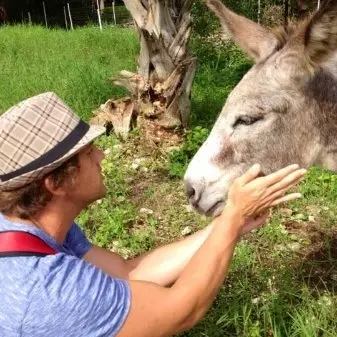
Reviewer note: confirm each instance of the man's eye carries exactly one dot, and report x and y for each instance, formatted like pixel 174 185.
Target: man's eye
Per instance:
pixel 246 120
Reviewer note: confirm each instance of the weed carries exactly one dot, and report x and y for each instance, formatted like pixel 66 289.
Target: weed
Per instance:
pixel 179 159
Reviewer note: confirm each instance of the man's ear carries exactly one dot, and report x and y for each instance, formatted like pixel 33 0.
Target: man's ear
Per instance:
pixel 52 188
pixel 255 40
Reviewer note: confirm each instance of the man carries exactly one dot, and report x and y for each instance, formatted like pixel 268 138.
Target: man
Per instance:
pixel 49 171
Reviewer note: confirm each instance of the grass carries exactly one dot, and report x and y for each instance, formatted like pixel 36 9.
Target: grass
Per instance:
pixel 76 65
pixel 283 277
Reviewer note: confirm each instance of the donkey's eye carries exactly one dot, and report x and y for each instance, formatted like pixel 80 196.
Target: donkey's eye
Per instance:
pixel 246 120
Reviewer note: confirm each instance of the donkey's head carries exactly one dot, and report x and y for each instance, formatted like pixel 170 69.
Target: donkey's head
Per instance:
pixel 274 115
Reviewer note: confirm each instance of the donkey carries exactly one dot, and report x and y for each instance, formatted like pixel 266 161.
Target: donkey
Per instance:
pixel 283 111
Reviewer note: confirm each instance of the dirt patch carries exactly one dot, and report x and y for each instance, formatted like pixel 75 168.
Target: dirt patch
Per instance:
pixel 319 267
pixel 316 262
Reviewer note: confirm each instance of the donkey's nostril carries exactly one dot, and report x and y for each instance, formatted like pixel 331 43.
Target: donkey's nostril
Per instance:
pixel 192 192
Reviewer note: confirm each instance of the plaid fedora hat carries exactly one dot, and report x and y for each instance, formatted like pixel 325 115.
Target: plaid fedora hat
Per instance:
pixel 38 135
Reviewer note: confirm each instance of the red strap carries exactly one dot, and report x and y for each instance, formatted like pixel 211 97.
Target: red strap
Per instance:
pixel 23 242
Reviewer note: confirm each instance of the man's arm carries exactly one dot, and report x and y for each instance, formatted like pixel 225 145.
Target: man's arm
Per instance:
pixel 161 312
pixel 169 260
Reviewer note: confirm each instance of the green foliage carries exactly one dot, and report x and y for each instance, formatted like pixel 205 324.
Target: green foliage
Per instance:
pixel 219 70
pixel 321 184
pixel 179 159
pixel 205 22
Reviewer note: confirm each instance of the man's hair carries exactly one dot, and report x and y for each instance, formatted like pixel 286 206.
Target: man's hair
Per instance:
pixel 30 199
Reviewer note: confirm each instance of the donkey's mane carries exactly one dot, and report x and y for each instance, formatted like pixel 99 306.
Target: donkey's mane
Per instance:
pixel 285 33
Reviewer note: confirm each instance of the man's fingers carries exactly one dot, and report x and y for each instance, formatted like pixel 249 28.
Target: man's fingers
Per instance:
pixel 280 193
pixel 251 174
pixel 286 198
pixel 277 176
pixel 289 181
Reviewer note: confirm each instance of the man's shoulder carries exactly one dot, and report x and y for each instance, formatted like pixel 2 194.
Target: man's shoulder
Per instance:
pixel 61 295
pixel 77 297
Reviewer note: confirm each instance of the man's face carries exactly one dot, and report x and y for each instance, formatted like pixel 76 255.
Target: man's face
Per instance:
pixel 89 180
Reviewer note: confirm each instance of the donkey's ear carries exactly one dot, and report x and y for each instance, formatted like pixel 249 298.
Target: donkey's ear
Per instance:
pixel 252 38
pixel 320 34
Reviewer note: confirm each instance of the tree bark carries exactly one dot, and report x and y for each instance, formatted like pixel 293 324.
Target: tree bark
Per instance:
pixel 162 85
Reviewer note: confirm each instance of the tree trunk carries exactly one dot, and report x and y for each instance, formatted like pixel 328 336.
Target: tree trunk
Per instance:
pixel 161 87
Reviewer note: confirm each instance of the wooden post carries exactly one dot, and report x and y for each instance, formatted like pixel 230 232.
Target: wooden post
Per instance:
pixel 71 20
pixel 45 14
pixel 99 16
pixel 114 12
pixel 65 17
pixel 258 10
pixel 286 12
pixel 318 4
pixel 29 19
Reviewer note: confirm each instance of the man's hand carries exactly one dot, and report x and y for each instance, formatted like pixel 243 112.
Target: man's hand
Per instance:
pixel 254 222
pixel 250 196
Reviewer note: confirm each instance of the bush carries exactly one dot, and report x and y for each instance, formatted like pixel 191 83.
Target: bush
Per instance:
pixel 273 16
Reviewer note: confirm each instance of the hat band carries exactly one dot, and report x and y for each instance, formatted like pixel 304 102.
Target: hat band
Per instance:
pixel 53 154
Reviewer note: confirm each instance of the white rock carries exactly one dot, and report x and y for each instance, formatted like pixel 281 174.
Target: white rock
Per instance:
pixel 188 208
pixel 256 300
pixel 286 212
pixel 173 148
pixel 280 248
pixel 116 244
pixel 117 146
pixel 146 211
pixel 139 160
pixel 325 300
pixel 107 151
pixel 311 218
pixel 134 166
pixel 186 231
pixel 295 246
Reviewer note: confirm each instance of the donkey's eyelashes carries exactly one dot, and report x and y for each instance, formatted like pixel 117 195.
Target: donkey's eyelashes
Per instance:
pixel 246 120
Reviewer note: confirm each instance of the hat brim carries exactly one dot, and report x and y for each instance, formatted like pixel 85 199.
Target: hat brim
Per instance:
pixel 20 181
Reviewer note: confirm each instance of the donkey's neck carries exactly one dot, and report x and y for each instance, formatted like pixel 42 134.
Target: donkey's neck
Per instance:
pixel 322 88
pixel 321 92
